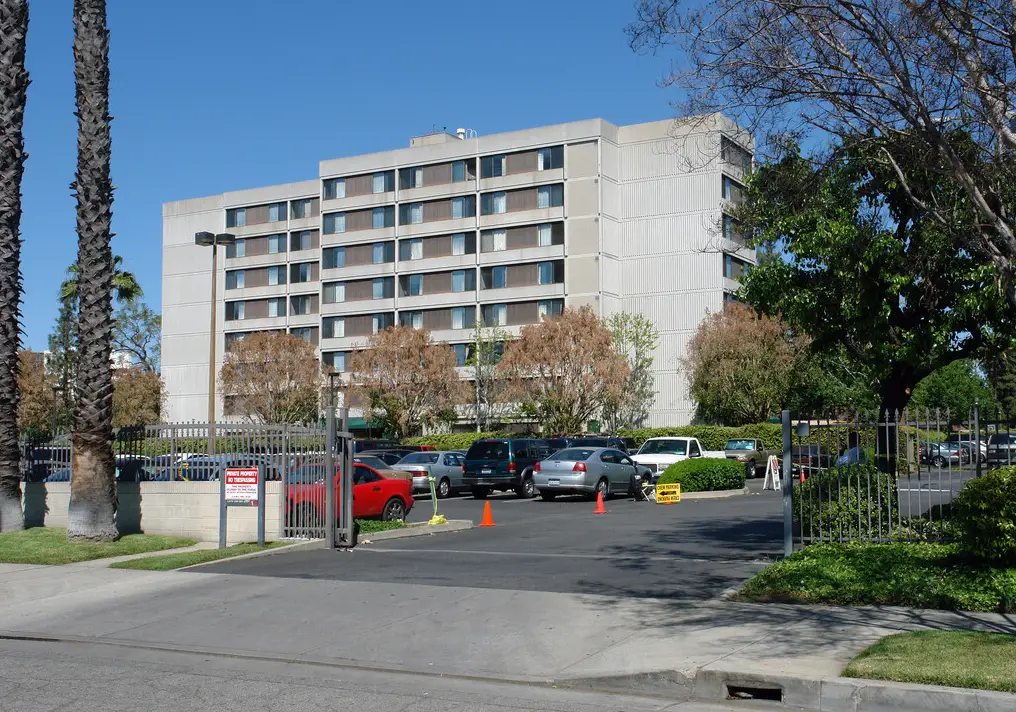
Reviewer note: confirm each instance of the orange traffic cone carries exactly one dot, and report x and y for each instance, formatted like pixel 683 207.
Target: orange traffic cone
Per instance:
pixel 488 521
pixel 599 504
pixel 803 477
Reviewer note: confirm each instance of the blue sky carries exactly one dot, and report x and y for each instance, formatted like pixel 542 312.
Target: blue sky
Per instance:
pixel 216 95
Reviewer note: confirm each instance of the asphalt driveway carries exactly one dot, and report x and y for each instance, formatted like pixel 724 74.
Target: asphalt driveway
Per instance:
pixel 695 549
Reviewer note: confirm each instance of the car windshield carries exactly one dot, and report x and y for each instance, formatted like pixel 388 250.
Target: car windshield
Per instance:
pixel 488 450
pixel 590 442
pixel 419 458
pixel 571 455
pixel 739 445
pixel 375 462
pixel 664 446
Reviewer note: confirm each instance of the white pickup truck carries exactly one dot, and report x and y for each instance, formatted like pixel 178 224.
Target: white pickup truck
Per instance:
pixel 660 453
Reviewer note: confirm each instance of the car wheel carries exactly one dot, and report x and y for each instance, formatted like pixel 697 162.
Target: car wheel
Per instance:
pixel 602 488
pixel 526 490
pixel 548 496
pixel 752 469
pixel 480 492
pixel 938 461
pixel 444 488
pixel 395 510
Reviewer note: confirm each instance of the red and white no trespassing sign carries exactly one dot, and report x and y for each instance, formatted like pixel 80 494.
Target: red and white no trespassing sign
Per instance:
pixel 242 485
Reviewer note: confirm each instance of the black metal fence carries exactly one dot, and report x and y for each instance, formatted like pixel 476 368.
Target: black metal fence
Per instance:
pixel 884 477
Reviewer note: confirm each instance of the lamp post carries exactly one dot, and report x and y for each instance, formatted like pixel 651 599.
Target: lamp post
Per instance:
pixel 208 239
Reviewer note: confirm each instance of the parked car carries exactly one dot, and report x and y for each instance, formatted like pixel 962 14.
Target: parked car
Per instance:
pixel 370 445
pixel 660 453
pixel 503 464
pixel 390 457
pixel 444 466
pixel 810 459
pixel 971 443
pixel 312 471
pixel 586 470
pixel 374 495
pixel 942 454
pixel 1002 449
pixel 611 441
pixel 751 452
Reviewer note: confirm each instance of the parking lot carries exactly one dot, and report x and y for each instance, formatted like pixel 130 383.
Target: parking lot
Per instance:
pixel 694 550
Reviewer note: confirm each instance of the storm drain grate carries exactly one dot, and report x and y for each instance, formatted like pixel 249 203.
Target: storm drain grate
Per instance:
pixel 740 692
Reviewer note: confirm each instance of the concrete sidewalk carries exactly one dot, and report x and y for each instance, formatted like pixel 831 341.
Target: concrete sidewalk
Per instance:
pixel 643 645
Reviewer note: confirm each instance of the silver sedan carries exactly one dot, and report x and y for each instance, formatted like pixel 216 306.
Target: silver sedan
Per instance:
pixel 585 470
pixel 445 467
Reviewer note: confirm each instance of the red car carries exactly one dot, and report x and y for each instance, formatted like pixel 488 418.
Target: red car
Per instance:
pixel 374 495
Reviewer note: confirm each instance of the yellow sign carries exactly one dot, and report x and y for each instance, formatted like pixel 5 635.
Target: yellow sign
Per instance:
pixel 668 494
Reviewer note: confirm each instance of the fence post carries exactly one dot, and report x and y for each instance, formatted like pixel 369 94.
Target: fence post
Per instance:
pixel 788 483
pixel 329 478
pixel 975 446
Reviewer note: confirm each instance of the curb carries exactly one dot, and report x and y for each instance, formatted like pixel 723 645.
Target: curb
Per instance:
pixel 714 495
pixel 421 529
pixel 821 694
pixel 295 546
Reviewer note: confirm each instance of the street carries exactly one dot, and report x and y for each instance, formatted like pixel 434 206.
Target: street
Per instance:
pixel 45 677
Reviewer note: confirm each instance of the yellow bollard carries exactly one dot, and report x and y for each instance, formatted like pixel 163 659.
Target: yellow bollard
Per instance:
pixel 437 518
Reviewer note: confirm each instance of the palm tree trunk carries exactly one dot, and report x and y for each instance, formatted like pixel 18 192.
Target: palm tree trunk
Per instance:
pixel 13 88
pixel 91 513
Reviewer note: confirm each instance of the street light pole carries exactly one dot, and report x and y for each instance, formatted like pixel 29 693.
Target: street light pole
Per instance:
pixel 208 239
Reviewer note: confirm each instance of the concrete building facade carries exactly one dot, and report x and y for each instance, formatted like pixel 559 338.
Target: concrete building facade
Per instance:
pixel 505 228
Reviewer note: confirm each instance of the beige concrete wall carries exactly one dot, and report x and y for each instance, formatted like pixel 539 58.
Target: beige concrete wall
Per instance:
pixel 189 509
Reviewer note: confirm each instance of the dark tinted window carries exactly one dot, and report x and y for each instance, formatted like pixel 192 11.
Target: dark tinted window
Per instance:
pixel 488 450
pixel 608 456
pixel 573 455
pixel 1000 439
pixel 363 475
pixel 558 443
pixel 591 442
pixel 419 458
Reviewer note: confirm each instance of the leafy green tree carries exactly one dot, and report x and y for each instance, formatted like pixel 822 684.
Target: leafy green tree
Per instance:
pixel 1000 368
pixel 827 384
pixel 862 269
pixel 63 358
pixel 126 287
pixel 949 394
pixel 636 338
pixel 137 330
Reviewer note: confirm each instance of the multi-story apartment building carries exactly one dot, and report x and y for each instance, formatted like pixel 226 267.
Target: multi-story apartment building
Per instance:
pixel 506 228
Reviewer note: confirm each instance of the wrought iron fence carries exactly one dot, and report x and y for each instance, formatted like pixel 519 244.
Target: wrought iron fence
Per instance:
pixel 887 477
pixel 197 452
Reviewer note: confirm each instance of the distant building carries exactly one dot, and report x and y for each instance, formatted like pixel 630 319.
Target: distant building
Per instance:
pixel 506 228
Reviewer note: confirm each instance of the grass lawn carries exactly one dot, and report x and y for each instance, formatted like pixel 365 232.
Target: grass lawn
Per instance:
pixel 188 558
pixel 369 526
pixel 912 575
pixel 984 661
pixel 44 545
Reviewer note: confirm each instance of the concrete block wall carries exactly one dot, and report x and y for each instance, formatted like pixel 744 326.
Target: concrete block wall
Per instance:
pixel 189 509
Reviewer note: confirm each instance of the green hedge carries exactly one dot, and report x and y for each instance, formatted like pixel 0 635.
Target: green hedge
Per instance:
pixel 713 437
pixel 985 515
pixel 705 474
pixel 853 503
pixel 450 441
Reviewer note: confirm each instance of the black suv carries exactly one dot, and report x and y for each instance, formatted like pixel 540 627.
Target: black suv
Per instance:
pixel 503 464
pixel 625 445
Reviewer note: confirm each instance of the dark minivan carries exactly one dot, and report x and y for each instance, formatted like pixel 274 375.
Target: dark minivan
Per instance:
pixel 503 464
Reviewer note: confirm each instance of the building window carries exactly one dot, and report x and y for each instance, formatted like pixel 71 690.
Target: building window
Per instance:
pixel 232 338
pixel 334 257
pixel 302 273
pixel 302 209
pixel 378 253
pixel 335 188
pixel 458 171
pixel 276 275
pixel 416 178
pixel 493 203
pixel 382 288
pixel 459 243
pixel 335 223
pixel 335 360
pixel 733 154
pixel 235 280
pixel 378 218
pixel 731 229
pixel 334 292
pixel 237 249
pixel 236 217
pixel 550 158
pixel 732 190
pixel 495 315
pixel 545 235
pixel 734 267
pixel 411 249
pixel 463 280
pixel 546 273
pixel 414 285
pixel 461 351
pixel 300 241
pixel 304 332
pixel 276 244
pixel 412 319
pixel 333 327
pixel 459 318
pixel 499 277
pixel 300 305
pixel 276 212
pixel 276 308
pixel 550 308
pixel 383 182
pixel 416 213
pixel 464 207
pixel 234 311
pixel 380 322
pixel 550 196
pixel 492 166
pixel 494 241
